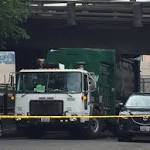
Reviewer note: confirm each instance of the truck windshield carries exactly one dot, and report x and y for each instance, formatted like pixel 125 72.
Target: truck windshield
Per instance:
pixel 53 82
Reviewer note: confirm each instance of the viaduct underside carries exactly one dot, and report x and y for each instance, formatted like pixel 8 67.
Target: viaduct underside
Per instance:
pixel 124 26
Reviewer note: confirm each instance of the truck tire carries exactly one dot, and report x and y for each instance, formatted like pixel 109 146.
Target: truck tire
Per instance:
pixel 95 127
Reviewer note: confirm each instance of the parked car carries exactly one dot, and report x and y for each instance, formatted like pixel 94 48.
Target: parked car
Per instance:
pixel 137 104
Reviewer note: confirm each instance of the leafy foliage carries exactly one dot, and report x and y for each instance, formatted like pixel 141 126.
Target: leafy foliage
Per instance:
pixel 12 14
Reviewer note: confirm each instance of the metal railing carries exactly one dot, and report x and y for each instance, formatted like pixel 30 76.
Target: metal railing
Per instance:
pixel 92 10
pixel 6 104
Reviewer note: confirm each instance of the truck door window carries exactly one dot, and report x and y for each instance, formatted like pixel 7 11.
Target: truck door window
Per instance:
pixel 74 82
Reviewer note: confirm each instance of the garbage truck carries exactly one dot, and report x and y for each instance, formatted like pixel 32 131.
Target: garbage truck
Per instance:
pixel 74 82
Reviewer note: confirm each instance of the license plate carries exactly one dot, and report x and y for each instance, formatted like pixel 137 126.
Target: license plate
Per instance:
pixel 145 128
pixel 45 119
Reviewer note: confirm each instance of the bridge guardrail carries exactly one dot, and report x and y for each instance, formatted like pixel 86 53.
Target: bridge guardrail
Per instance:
pixel 92 10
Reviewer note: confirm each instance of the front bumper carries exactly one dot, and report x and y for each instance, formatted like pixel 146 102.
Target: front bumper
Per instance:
pixel 53 125
pixel 127 126
pixel 51 122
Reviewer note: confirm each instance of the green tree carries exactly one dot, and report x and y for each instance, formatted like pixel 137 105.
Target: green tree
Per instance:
pixel 12 14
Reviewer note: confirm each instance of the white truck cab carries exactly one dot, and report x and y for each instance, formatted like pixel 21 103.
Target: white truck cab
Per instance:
pixel 54 92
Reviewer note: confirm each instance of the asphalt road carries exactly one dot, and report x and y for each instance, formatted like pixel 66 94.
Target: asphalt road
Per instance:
pixel 70 144
pixel 63 141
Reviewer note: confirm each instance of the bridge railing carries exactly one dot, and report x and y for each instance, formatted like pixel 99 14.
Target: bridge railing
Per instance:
pixel 92 10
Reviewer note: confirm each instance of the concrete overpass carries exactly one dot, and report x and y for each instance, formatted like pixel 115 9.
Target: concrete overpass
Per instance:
pixel 74 12
pixel 124 26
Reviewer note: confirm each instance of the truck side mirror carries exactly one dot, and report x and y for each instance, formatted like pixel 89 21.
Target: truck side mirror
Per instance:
pixel 118 108
pixel 121 104
pixel 92 84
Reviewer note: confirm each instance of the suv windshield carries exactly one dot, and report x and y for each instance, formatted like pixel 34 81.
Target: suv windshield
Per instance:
pixel 138 101
pixel 52 82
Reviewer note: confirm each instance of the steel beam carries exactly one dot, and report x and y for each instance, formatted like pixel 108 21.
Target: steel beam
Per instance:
pixel 101 10
pixel 137 11
pixel 71 13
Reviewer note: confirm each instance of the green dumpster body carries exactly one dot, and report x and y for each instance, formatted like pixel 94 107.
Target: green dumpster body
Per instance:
pixel 102 64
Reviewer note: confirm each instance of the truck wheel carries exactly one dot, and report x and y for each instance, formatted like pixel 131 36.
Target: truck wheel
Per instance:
pixel 94 127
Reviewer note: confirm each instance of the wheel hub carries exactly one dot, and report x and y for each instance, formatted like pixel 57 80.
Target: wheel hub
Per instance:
pixel 94 125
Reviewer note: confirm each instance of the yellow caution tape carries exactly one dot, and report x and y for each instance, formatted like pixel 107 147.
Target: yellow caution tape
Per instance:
pixel 67 117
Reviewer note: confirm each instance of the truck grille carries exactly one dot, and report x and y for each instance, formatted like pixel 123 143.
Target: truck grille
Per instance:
pixel 45 107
